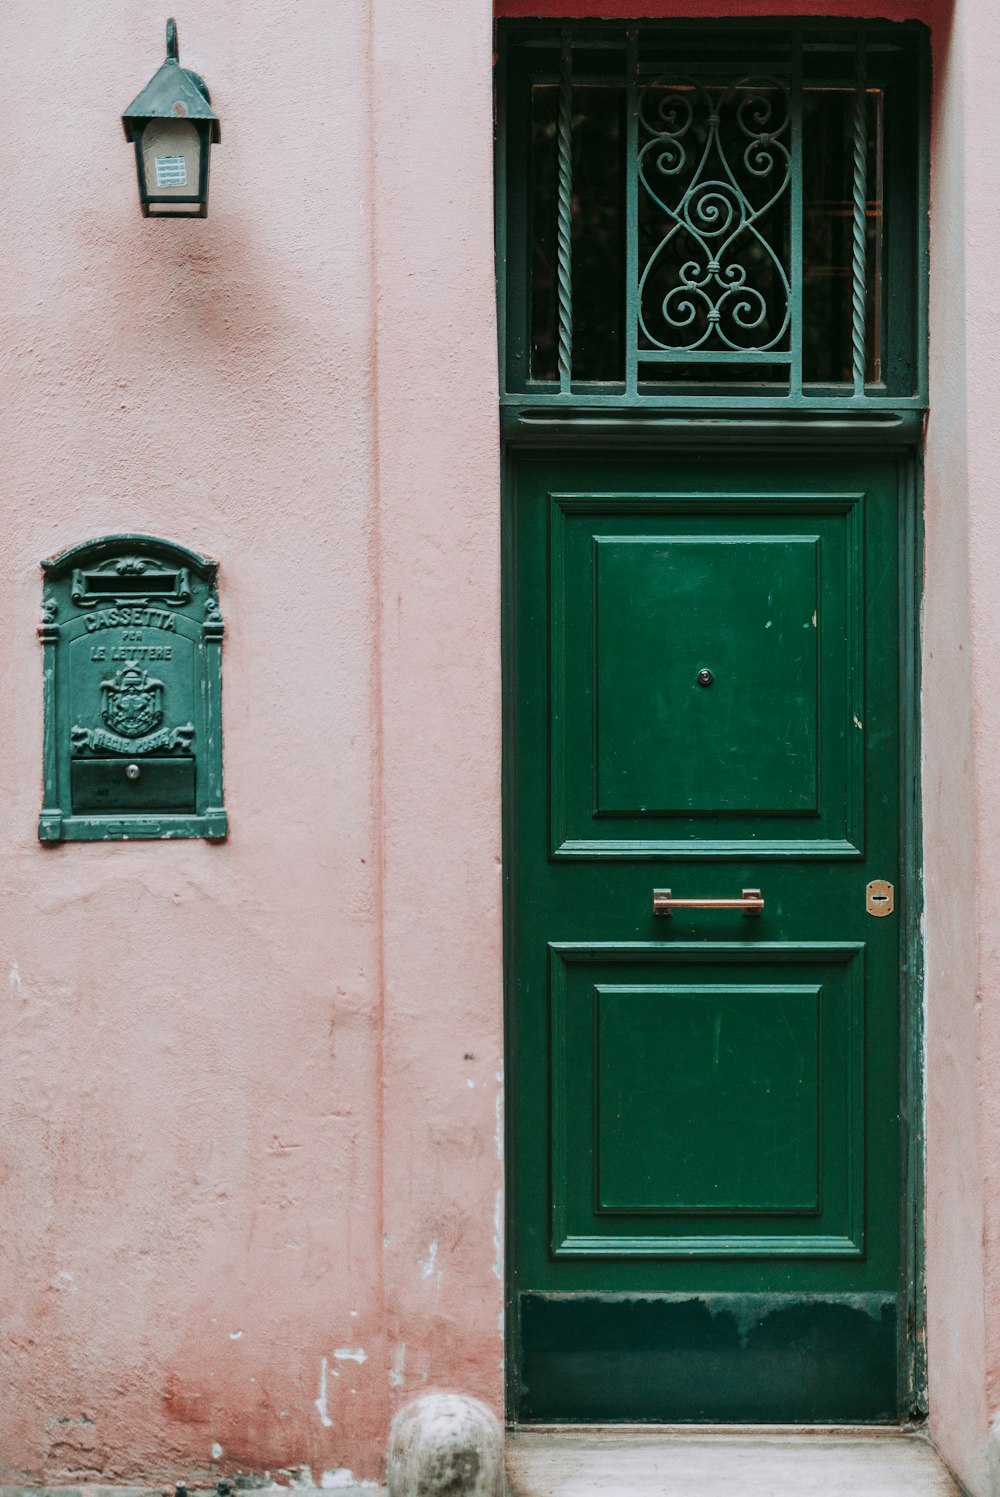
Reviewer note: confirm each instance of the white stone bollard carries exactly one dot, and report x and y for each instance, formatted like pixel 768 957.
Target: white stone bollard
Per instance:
pixel 993 1457
pixel 446 1445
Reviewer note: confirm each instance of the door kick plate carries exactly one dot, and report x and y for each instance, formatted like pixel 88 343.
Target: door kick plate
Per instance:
pixel 880 897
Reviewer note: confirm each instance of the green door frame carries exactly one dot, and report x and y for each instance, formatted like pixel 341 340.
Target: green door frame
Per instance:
pixel 563 417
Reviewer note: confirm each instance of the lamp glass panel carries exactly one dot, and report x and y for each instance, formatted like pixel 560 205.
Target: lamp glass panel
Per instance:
pixel 171 151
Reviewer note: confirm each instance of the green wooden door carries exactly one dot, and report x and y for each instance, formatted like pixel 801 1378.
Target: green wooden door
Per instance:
pixel 705 1189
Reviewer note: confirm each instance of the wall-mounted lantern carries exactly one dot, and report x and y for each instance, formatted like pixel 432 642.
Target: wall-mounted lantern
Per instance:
pixel 173 125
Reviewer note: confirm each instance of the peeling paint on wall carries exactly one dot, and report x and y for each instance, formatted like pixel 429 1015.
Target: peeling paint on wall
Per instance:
pixel 397 1372
pixel 321 1407
pixel 427 1267
pixel 498 1236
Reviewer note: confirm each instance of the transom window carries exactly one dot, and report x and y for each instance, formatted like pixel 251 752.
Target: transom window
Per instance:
pixel 689 213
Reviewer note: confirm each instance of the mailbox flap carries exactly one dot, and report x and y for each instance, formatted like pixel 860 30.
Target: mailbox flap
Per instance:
pixel 115 785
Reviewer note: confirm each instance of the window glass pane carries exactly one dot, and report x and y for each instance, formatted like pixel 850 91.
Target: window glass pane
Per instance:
pixel 598 228
pixel 691 285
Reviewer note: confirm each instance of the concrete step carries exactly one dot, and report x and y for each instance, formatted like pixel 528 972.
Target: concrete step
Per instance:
pixel 731 1463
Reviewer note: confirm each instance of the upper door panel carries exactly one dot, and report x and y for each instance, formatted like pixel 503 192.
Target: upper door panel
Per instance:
pixel 707 666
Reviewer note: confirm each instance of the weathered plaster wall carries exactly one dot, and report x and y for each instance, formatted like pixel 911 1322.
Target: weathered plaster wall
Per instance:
pixel 961 629
pixel 439 492
pixel 956 1321
pixel 247 1171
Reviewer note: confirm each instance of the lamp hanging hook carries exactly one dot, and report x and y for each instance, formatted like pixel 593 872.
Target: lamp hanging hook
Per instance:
pixel 172 49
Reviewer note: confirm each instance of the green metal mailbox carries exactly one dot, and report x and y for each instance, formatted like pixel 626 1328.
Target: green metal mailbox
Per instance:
pixel 132 636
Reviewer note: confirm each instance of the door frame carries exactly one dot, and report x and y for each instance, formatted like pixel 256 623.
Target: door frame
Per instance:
pixel 901 438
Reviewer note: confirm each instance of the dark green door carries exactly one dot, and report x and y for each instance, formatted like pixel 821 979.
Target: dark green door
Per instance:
pixel 706 1174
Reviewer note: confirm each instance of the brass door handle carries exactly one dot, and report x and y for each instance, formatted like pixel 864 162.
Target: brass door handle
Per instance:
pixel 750 903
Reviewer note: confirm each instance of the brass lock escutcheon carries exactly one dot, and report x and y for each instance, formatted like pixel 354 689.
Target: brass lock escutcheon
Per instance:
pixel 880 897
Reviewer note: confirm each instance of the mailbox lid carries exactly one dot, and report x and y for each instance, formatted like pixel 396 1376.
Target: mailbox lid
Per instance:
pixel 160 784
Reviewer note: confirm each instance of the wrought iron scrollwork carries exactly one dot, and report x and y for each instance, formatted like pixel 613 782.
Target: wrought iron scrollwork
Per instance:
pixel 714 163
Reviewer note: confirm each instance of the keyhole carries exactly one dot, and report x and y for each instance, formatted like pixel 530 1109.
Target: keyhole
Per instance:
pixel 132 772
pixel 879 897
pixel 705 677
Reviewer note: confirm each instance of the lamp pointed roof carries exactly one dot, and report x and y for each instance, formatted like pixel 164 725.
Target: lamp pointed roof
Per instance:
pixel 173 93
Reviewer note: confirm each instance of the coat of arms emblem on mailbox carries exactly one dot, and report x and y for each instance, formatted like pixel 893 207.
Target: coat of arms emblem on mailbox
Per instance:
pixel 132 702
pixel 132 707
pixel 133 742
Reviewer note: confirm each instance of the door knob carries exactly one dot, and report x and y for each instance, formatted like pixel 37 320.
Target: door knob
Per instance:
pixel 750 903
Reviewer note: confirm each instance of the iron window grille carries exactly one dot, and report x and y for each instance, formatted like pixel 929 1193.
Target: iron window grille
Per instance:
pixel 713 214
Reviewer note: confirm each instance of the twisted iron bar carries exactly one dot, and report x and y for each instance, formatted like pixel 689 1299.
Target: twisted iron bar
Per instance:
pixel 564 225
pixel 859 256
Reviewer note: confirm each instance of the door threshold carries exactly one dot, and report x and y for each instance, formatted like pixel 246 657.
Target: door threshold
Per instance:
pixel 720 1460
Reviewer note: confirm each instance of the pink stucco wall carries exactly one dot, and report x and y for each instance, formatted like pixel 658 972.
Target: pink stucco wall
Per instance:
pixel 250 1095
pixel 962 787
pixel 248 1109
